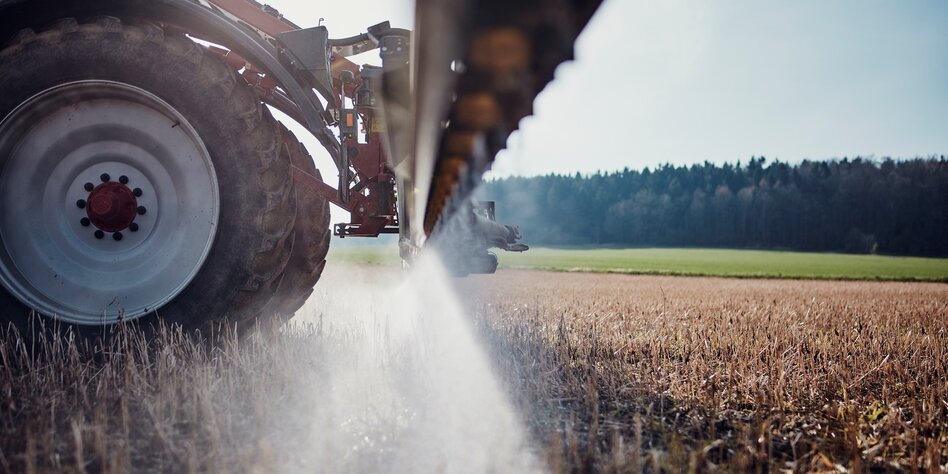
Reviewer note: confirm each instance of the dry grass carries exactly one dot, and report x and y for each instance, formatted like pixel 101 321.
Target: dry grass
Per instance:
pixel 163 404
pixel 610 372
pixel 621 373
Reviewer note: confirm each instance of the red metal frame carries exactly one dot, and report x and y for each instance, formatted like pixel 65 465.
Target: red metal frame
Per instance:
pixel 369 196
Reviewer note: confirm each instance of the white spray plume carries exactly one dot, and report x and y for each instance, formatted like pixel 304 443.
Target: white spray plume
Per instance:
pixel 406 387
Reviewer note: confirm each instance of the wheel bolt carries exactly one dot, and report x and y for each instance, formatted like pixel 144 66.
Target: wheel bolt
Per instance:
pixel 81 204
pixel 105 177
pixel 117 236
pixel 123 179
pixel 141 209
pixel 99 234
pixel 89 186
pixel 84 222
pixel 137 192
pixel 133 227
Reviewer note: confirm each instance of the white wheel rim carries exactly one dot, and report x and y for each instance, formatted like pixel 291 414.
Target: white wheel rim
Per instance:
pixel 69 135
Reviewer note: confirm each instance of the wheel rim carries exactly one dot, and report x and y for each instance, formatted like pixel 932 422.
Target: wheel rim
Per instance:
pixel 108 202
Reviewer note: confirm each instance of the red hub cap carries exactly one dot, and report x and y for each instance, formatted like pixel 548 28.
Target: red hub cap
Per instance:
pixel 111 206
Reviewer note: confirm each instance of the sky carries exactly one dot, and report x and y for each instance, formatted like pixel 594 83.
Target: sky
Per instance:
pixel 685 82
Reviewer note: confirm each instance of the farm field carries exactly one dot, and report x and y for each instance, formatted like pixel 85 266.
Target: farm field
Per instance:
pixel 556 371
pixel 696 262
pixel 617 372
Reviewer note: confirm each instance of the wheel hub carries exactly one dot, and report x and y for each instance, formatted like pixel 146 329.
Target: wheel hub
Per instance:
pixel 86 159
pixel 112 207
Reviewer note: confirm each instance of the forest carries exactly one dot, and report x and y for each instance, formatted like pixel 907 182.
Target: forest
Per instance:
pixel 853 205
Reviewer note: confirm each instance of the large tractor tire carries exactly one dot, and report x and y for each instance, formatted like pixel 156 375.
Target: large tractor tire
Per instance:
pixel 140 179
pixel 311 236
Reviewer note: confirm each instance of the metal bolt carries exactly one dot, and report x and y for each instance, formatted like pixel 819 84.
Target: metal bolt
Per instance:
pixel 133 227
pixel 141 209
pixel 105 177
pixel 117 236
pixel 99 234
pixel 84 222
pixel 137 192
pixel 81 204
pixel 89 186
pixel 123 179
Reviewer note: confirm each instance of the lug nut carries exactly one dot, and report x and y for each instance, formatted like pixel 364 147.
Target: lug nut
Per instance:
pixel 84 222
pixel 99 234
pixel 123 179
pixel 105 177
pixel 81 204
pixel 89 186
pixel 137 192
pixel 133 227
pixel 117 236
pixel 141 209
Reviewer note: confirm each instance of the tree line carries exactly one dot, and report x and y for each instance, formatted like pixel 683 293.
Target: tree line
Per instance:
pixel 850 205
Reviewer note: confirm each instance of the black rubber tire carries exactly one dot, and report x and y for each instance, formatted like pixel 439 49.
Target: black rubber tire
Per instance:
pixel 257 200
pixel 311 236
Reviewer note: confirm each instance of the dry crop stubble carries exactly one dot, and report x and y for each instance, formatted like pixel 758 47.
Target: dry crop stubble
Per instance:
pixel 617 372
pixel 381 372
pixel 611 373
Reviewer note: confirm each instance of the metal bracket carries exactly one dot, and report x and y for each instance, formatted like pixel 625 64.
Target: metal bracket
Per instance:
pixel 308 50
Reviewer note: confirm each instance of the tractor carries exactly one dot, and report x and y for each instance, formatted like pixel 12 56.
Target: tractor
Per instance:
pixel 143 176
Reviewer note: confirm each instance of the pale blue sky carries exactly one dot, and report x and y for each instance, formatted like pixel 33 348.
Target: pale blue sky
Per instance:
pixel 687 81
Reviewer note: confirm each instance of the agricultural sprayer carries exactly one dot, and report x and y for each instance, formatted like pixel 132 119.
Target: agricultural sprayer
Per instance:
pixel 143 176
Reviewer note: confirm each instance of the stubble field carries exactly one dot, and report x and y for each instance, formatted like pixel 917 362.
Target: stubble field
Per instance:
pixel 620 373
pixel 567 372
